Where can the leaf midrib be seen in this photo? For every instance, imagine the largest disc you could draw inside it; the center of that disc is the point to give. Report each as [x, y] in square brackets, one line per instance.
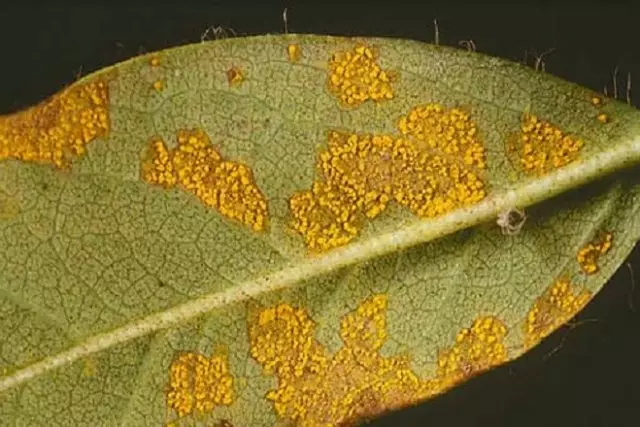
[536, 190]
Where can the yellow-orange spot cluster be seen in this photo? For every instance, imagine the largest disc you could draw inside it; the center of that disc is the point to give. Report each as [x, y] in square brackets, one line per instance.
[158, 85]
[308, 394]
[555, 307]
[542, 147]
[355, 77]
[199, 168]
[58, 129]
[294, 52]
[588, 255]
[197, 383]
[433, 168]
[154, 61]
[235, 76]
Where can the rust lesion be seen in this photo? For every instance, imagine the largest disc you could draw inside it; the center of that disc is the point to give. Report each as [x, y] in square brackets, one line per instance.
[198, 384]
[589, 255]
[434, 166]
[541, 146]
[197, 167]
[59, 129]
[559, 303]
[355, 77]
[307, 393]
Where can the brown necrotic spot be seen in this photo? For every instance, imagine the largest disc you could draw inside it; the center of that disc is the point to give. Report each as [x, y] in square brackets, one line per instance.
[197, 167]
[433, 167]
[58, 129]
[541, 147]
[356, 77]
[556, 306]
[199, 384]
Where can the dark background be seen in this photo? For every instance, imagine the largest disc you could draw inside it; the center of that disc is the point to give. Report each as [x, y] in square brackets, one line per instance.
[587, 375]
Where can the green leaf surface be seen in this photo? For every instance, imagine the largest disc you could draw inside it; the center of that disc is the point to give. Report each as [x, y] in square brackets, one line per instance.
[165, 261]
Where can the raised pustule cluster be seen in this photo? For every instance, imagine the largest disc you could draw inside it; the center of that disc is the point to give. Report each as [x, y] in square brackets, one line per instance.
[542, 147]
[432, 168]
[199, 384]
[589, 254]
[556, 306]
[355, 77]
[197, 167]
[58, 129]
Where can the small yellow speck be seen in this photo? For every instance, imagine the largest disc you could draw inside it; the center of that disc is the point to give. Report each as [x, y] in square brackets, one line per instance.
[235, 76]
[603, 118]
[158, 85]
[596, 100]
[154, 61]
[294, 52]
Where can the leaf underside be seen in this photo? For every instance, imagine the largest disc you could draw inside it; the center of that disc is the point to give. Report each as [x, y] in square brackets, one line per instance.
[297, 230]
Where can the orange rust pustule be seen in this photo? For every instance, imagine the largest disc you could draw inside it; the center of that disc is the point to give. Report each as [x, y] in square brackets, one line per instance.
[560, 302]
[197, 167]
[307, 393]
[433, 168]
[59, 129]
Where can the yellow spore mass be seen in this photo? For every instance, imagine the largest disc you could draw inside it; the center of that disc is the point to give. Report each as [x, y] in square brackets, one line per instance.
[432, 168]
[197, 167]
[589, 254]
[556, 306]
[198, 383]
[355, 77]
[542, 147]
[307, 394]
[58, 129]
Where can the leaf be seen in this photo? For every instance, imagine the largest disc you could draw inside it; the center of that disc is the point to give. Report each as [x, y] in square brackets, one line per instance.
[297, 230]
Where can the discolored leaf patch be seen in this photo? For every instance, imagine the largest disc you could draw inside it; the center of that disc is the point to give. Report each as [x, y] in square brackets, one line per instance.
[334, 213]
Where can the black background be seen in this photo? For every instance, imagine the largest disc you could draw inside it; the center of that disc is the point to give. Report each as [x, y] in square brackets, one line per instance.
[587, 375]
